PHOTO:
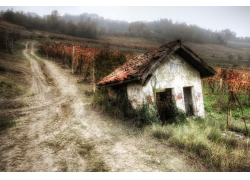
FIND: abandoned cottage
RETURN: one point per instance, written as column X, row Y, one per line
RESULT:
column 170, row 73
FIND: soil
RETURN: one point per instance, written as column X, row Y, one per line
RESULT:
column 56, row 129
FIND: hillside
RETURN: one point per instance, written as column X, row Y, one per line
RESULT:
column 15, row 28
column 214, row 54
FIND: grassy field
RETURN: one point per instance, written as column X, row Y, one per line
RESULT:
column 209, row 138
column 238, row 45
column 215, row 50
column 225, row 63
column 13, row 68
column 131, row 41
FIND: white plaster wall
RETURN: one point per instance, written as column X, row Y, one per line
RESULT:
column 176, row 73
column 135, row 94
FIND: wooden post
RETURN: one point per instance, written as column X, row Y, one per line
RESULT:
column 73, row 51
column 242, row 113
column 6, row 40
column 94, row 75
column 11, row 48
column 220, row 93
column 220, row 84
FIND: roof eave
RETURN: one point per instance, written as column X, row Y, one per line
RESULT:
column 204, row 69
column 137, row 79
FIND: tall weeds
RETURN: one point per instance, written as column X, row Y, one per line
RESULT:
column 220, row 149
column 119, row 106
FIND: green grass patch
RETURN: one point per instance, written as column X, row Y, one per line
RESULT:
column 13, row 82
column 17, row 55
column 10, row 89
column 221, row 150
column 216, row 104
column 6, row 122
column 18, row 47
column 94, row 160
column 160, row 132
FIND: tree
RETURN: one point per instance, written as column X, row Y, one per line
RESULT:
column 228, row 35
column 70, row 28
column 87, row 29
column 240, row 58
column 54, row 20
column 230, row 57
column 139, row 29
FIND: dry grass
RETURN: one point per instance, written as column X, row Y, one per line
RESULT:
column 217, row 51
column 9, row 27
column 10, row 89
column 14, row 76
column 221, row 150
column 84, row 148
column 5, row 24
column 6, row 122
column 131, row 41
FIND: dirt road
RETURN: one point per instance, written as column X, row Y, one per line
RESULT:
column 56, row 129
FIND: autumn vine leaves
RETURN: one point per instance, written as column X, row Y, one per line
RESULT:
column 86, row 60
column 76, row 56
column 234, row 82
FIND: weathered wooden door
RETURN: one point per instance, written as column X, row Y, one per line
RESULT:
column 188, row 101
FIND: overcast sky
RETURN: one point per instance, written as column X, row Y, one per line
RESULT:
column 235, row 17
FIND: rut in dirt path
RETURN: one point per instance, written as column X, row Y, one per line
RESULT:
column 60, row 131
column 37, row 122
column 39, row 84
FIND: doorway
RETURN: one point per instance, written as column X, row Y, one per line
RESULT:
column 165, row 104
column 188, row 101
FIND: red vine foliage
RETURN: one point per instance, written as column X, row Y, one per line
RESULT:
column 237, row 82
column 79, row 57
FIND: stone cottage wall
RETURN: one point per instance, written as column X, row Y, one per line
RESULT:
column 174, row 73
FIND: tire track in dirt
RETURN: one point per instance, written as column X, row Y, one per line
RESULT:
column 39, row 84
column 20, row 152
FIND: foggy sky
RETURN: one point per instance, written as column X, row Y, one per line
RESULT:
column 235, row 18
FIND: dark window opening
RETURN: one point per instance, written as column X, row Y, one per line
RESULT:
column 188, row 101
column 165, row 104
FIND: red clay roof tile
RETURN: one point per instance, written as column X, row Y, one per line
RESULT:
column 139, row 66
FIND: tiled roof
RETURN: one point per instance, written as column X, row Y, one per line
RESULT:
column 142, row 66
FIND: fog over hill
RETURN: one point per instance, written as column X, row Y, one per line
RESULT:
column 90, row 25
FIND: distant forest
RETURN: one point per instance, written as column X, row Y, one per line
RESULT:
column 94, row 26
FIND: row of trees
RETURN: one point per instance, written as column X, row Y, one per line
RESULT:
column 52, row 23
column 93, row 26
